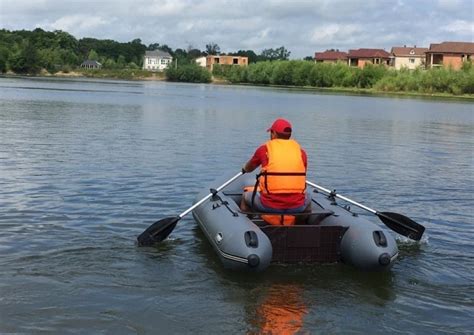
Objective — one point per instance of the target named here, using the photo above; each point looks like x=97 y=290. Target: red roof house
x=449 y=54
x=330 y=56
x=360 y=57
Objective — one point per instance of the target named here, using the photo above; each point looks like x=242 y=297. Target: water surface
x=87 y=165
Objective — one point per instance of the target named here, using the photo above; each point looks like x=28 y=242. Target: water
x=87 y=165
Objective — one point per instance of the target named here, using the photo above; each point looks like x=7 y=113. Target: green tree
x=275 y=54
x=93 y=55
x=4 y=55
x=27 y=60
x=213 y=49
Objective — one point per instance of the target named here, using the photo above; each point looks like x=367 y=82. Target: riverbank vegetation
x=330 y=75
x=40 y=52
x=190 y=73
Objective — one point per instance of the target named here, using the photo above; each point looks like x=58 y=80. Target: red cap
x=281 y=126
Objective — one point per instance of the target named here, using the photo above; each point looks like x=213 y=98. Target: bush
x=378 y=77
x=370 y=74
x=191 y=73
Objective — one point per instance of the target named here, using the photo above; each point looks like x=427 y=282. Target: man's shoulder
x=261 y=150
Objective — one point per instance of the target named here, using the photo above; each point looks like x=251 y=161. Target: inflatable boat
x=331 y=232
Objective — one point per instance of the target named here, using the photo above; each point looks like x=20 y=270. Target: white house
x=201 y=61
x=91 y=64
x=156 y=60
x=407 y=57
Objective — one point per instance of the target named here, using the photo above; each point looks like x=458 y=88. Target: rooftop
x=330 y=55
x=368 y=53
x=408 y=51
x=452 y=47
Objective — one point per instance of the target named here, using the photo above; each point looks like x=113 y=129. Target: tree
x=3 y=59
x=153 y=46
x=27 y=60
x=167 y=49
x=194 y=53
x=65 y=40
x=93 y=55
x=275 y=54
x=213 y=49
x=309 y=58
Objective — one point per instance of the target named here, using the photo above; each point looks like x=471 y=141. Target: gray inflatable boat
x=330 y=233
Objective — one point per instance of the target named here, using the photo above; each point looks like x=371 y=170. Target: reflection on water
x=280 y=311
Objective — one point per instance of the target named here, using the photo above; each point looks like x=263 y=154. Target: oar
x=160 y=230
x=397 y=222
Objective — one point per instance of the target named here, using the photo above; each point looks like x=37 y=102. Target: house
x=330 y=56
x=210 y=60
x=91 y=64
x=407 y=57
x=449 y=54
x=201 y=61
x=156 y=60
x=360 y=57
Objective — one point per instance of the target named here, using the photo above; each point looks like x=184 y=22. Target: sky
x=303 y=27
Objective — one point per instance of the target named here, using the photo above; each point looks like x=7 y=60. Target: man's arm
x=257 y=159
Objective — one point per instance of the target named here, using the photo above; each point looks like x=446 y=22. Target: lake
x=87 y=165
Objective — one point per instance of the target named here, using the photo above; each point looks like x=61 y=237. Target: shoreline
x=155 y=76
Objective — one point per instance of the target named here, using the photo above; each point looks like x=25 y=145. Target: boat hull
x=332 y=233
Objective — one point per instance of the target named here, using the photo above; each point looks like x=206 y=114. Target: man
x=282 y=179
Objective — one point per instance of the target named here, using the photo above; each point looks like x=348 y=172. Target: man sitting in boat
x=281 y=183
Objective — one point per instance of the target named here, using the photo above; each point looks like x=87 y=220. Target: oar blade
x=158 y=231
x=402 y=225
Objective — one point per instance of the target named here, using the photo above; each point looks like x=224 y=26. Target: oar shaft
x=200 y=202
x=341 y=197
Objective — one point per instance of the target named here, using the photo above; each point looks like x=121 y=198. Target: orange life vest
x=274 y=219
x=285 y=171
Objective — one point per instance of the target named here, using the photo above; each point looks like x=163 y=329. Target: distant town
x=442 y=68
x=445 y=54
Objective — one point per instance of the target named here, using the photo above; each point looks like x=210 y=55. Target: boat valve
x=253 y=260
x=385 y=259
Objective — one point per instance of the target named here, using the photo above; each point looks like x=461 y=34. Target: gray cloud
x=302 y=26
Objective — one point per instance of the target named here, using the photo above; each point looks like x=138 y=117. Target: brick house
x=360 y=57
x=407 y=57
x=210 y=60
x=330 y=56
x=449 y=54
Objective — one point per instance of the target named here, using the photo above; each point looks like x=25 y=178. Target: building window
x=163 y=61
x=216 y=60
x=412 y=60
x=235 y=61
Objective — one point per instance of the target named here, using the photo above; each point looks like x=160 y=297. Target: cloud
x=160 y=8
x=77 y=23
x=302 y=26
x=336 y=33
x=460 y=27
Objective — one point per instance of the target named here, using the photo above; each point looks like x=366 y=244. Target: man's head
x=281 y=128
